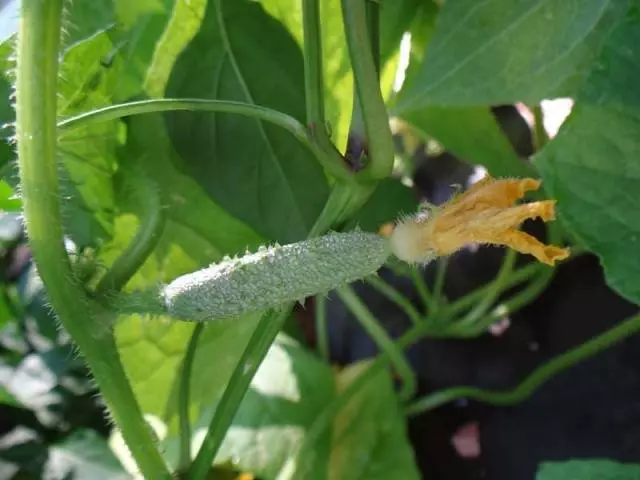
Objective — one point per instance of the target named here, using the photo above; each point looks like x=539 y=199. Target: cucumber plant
x=161 y=136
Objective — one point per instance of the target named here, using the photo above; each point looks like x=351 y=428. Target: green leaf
x=107 y=68
x=258 y=172
x=287 y=393
x=182 y=26
x=83 y=454
x=505 y=51
x=152 y=350
x=9 y=201
x=472 y=134
x=338 y=76
x=369 y=436
x=612 y=81
x=291 y=390
x=85 y=19
x=592 y=166
x=588 y=469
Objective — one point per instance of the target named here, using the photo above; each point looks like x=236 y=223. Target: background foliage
x=230 y=183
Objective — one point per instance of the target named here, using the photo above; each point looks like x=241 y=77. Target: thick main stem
x=88 y=325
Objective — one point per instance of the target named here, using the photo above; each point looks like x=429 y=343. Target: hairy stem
x=333 y=164
x=152 y=221
x=183 y=398
x=534 y=380
x=86 y=322
x=382 y=340
x=374 y=113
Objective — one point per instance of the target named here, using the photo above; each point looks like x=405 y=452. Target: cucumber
x=274 y=275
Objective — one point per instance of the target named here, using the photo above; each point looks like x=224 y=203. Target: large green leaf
x=504 y=51
x=471 y=133
x=599 y=469
x=258 y=172
x=592 y=166
x=292 y=389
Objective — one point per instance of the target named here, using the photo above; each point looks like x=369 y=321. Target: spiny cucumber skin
x=275 y=275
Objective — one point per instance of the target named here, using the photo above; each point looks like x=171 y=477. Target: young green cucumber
x=274 y=275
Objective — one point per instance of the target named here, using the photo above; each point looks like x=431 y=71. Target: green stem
x=265 y=333
x=322 y=329
x=396 y=297
x=438 y=284
x=314 y=81
x=374 y=113
x=540 y=137
x=86 y=322
x=382 y=340
x=345 y=200
x=537 y=378
x=373 y=23
x=333 y=164
x=515 y=303
x=152 y=221
x=468 y=322
x=470 y=299
x=423 y=290
x=183 y=398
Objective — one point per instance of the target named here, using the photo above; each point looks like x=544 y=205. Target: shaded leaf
x=369 y=439
x=289 y=394
x=592 y=166
x=258 y=172
x=587 y=470
x=504 y=51
x=285 y=396
x=83 y=455
x=470 y=133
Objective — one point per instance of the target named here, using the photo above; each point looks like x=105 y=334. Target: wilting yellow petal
x=485 y=213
